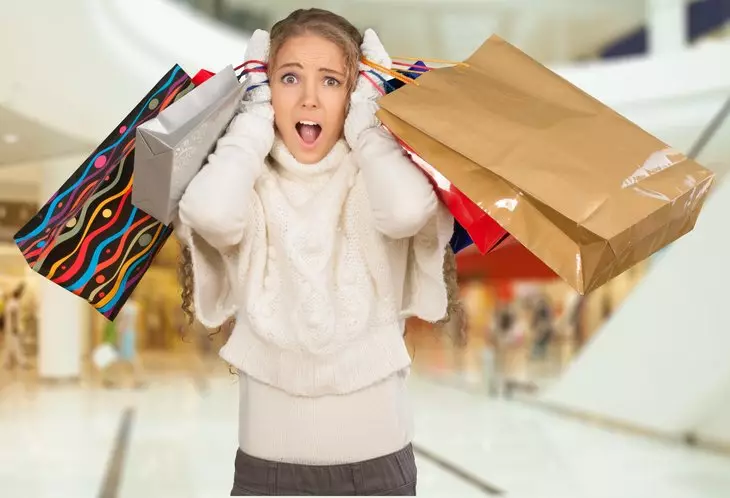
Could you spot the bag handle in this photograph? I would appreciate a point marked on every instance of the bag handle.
(395, 74)
(433, 61)
(411, 68)
(260, 67)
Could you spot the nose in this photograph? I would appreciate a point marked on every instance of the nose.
(310, 97)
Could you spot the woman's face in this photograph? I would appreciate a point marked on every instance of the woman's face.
(309, 95)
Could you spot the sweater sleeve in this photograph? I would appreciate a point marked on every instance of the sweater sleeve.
(214, 272)
(401, 197)
(215, 204)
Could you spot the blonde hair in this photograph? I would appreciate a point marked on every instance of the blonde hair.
(348, 38)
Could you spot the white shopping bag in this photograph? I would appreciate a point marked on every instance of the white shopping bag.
(104, 355)
(171, 148)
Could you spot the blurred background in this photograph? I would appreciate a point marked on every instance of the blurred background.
(624, 392)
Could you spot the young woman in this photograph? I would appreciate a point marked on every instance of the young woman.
(311, 227)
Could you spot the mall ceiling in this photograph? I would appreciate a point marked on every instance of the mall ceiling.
(23, 144)
(552, 31)
(25, 141)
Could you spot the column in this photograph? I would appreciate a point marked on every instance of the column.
(62, 317)
(667, 25)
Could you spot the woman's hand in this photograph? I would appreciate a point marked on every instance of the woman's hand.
(401, 198)
(363, 102)
(257, 99)
(215, 204)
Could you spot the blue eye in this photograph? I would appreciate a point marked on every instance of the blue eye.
(289, 79)
(330, 81)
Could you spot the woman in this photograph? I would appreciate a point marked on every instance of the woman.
(313, 229)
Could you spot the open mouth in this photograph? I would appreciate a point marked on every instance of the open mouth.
(309, 132)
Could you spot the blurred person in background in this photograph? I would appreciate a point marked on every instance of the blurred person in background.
(506, 338)
(154, 323)
(489, 356)
(126, 325)
(3, 299)
(109, 342)
(312, 228)
(12, 353)
(543, 326)
(568, 327)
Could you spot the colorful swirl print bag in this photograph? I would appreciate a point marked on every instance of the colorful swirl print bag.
(89, 238)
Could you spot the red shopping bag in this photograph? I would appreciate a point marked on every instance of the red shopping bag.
(202, 76)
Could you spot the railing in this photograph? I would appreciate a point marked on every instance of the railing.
(703, 18)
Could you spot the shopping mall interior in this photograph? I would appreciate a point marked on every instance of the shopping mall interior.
(623, 392)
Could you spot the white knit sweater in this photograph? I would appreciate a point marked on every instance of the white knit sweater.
(328, 262)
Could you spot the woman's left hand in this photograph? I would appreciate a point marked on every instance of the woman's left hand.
(363, 101)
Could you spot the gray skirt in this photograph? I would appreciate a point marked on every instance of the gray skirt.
(390, 475)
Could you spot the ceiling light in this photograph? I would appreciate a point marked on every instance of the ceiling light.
(11, 138)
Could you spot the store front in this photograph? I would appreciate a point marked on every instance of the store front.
(14, 273)
(549, 322)
(162, 326)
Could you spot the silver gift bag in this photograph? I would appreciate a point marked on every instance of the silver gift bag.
(171, 148)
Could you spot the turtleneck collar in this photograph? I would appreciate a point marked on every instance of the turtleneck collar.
(287, 165)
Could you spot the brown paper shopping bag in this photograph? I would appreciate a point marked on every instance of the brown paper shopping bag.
(584, 189)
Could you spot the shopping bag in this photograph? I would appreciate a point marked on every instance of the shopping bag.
(480, 228)
(172, 147)
(202, 76)
(104, 355)
(584, 189)
(89, 238)
(471, 223)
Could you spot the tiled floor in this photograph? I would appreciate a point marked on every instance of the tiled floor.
(56, 441)
(535, 454)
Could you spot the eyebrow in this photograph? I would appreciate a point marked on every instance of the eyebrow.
(321, 69)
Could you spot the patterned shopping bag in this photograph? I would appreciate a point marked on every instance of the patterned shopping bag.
(89, 238)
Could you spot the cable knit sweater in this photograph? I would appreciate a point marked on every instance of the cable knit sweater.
(325, 266)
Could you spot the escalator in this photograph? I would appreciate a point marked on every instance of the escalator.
(660, 362)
